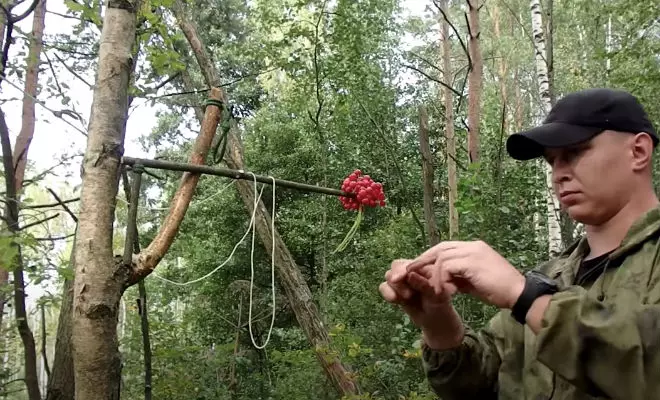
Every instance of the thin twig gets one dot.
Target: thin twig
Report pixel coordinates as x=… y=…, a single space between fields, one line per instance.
x=19 y=18
x=57 y=114
x=30 y=207
x=63 y=204
x=430 y=64
x=22 y=228
x=74 y=73
x=460 y=39
x=433 y=79
x=54 y=238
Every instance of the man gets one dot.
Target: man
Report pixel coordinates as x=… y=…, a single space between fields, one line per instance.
x=584 y=325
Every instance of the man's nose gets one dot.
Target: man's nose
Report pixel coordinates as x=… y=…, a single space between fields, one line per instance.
x=560 y=171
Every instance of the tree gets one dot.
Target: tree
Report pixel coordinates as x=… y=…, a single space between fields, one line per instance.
x=554 y=229
x=296 y=289
x=475 y=78
x=14 y=171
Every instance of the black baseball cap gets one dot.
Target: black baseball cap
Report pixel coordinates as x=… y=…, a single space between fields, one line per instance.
x=578 y=117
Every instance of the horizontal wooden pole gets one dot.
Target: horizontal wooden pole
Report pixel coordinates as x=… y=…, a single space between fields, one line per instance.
x=230 y=173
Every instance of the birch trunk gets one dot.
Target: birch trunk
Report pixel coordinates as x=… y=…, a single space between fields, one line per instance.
x=449 y=123
x=554 y=228
x=295 y=287
x=475 y=78
x=427 y=177
x=98 y=283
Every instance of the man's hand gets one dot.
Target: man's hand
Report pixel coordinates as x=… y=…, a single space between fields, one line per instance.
x=473 y=268
x=423 y=297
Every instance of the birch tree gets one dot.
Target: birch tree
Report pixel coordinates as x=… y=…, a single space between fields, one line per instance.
x=554 y=228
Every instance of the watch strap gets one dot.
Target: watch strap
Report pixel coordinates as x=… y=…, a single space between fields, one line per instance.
x=536 y=285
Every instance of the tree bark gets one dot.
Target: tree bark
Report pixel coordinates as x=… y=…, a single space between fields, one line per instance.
x=142 y=302
x=98 y=282
x=61 y=385
x=14 y=165
x=11 y=216
x=475 y=78
x=28 y=120
x=549 y=49
x=296 y=289
x=427 y=177
x=502 y=69
x=552 y=205
x=449 y=123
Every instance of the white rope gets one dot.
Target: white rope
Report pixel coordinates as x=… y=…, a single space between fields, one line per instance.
x=272 y=266
x=225 y=262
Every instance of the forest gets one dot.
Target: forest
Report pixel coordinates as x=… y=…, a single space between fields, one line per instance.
x=126 y=274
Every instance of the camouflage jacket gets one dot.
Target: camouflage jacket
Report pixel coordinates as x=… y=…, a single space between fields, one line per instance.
x=601 y=341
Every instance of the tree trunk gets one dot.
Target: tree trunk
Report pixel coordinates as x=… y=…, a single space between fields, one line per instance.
x=475 y=78
x=502 y=70
x=11 y=216
x=14 y=165
x=295 y=287
x=449 y=124
x=427 y=177
x=142 y=301
x=554 y=229
x=27 y=125
x=98 y=282
x=61 y=384
x=549 y=49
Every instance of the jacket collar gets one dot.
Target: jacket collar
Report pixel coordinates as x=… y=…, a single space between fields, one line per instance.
x=644 y=228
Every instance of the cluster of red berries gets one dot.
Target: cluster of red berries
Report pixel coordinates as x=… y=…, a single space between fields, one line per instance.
x=368 y=193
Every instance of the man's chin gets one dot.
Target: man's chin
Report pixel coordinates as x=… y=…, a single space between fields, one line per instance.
x=584 y=215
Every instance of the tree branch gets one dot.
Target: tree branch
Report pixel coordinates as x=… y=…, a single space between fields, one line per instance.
x=54 y=238
x=149 y=258
x=63 y=204
x=30 y=225
x=429 y=63
x=19 y=18
x=74 y=73
x=50 y=205
x=433 y=79
x=460 y=39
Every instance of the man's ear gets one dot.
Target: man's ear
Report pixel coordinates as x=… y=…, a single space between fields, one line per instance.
x=642 y=151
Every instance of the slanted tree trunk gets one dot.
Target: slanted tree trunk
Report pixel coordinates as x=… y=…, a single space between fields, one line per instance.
x=296 y=289
x=475 y=78
x=449 y=123
x=554 y=229
x=427 y=178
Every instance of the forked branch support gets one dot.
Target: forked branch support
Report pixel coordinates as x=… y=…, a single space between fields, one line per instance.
x=230 y=173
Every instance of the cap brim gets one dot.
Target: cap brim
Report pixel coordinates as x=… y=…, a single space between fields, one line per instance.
x=532 y=143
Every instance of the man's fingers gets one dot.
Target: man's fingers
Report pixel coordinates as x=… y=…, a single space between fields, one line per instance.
x=397 y=272
x=421 y=284
x=388 y=293
x=430 y=255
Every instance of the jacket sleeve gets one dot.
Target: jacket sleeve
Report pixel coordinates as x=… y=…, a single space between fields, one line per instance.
x=469 y=371
x=605 y=349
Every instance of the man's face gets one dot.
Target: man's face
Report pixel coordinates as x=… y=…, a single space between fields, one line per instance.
x=594 y=180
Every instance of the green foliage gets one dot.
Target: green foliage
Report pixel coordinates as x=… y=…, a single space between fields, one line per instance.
x=320 y=89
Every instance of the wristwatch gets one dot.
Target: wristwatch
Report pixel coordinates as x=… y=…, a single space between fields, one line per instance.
x=536 y=285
